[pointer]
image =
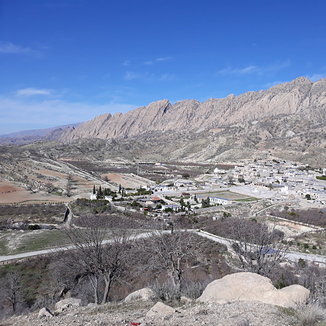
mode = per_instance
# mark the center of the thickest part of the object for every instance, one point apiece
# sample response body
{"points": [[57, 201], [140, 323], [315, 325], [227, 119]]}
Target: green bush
{"points": [[34, 227]]}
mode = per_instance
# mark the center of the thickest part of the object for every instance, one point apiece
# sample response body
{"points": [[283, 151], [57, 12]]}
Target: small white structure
{"points": [[93, 197], [219, 201], [175, 208]]}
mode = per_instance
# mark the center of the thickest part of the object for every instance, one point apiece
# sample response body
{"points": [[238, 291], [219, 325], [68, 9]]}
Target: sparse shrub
{"points": [[193, 290], [282, 277], [34, 227], [306, 246], [309, 216], [308, 196], [166, 291], [310, 314], [302, 263]]}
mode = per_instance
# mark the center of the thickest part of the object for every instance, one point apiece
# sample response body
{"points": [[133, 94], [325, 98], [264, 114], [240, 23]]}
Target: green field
{"points": [[228, 195], [15, 242]]}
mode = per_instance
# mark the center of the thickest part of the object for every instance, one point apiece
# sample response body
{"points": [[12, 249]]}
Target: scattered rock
{"points": [[145, 294], [67, 303], [45, 312], [160, 310], [234, 313], [185, 300], [253, 287]]}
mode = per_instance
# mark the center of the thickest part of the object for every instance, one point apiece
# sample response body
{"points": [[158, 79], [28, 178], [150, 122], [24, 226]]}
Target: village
{"points": [[278, 181]]}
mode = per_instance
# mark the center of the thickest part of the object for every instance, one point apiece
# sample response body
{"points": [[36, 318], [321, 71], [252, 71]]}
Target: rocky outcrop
{"points": [[300, 98], [253, 287]]}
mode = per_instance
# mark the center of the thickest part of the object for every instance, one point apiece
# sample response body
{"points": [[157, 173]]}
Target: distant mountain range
{"points": [[28, 136], [287, 120]]}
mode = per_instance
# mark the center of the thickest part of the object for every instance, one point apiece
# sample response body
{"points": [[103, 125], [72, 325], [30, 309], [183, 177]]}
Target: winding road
{"points": [[292, 256]]}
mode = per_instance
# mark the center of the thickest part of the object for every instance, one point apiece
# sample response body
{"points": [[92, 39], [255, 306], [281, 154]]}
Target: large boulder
{"points": [[144, 294], [66, 304], [253, 287], [160, 310]]}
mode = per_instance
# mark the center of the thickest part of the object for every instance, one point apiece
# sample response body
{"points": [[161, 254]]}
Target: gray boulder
{"points": [[145, 294], [66, 304], [45, 312], [160, 310], [253, 287]]}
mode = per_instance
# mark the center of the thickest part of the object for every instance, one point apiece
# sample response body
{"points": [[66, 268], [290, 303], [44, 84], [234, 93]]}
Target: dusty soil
{"points": [[234, 313], [127, 181], [11, 193]]}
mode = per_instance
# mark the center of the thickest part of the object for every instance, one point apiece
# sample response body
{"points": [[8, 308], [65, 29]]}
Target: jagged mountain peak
{"points": [[298, 97]]}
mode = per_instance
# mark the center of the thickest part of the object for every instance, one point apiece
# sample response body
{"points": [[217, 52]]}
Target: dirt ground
{"points": [[227, 194], [127, 181], [10, 193]]}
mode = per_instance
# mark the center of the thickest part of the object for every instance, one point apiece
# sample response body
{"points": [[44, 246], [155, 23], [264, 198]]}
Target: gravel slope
{"points": [[240, 313]]}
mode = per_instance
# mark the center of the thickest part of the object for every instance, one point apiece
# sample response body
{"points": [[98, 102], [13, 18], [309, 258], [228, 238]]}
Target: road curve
{"points": [[292, 256]]}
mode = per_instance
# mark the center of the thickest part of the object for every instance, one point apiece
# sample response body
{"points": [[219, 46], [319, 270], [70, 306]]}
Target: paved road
{"points": [[292, 256], [27, 254], [54, 250]]}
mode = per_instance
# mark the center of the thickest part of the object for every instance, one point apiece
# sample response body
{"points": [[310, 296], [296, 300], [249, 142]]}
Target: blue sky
{"points": [[67, 61]]}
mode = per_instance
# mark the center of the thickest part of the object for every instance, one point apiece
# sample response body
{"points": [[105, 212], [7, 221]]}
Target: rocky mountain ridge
{"points": [[287, 121], [299, 99]]}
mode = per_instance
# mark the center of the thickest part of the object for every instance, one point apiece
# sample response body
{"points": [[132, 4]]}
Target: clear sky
{"points": [[67, 61]]}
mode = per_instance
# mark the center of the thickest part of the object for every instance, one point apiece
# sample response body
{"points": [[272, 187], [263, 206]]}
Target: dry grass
{"points": [[310, 315]]}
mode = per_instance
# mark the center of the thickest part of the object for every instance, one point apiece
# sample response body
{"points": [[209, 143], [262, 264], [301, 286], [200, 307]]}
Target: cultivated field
{"points": [[11, 193], [228, 195]]}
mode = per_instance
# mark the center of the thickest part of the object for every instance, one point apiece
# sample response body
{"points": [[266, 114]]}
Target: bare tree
{"points": [[259, 248], [12, 292], [171, 252], [94, 257], [69, 185]]}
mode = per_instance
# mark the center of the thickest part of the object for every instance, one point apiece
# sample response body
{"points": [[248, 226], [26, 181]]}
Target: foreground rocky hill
{"points": [[239, 313], [238, 299]]}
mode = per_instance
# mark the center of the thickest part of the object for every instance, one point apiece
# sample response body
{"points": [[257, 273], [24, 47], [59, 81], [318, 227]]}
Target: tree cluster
{"points": [[205, 202], [101, 193]]}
